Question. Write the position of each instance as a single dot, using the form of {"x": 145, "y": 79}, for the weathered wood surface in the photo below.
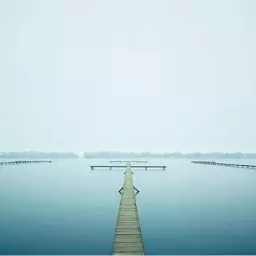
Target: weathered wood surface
{"x": 128, "y": 238}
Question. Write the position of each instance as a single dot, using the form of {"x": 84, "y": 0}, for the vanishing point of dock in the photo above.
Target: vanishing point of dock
{"x": 128, "y": 238}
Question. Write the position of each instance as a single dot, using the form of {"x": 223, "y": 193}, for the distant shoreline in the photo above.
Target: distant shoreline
{"x": 125, "y": 155}
{"x": 175, "y": 155}
{"x": 37, "y": 155}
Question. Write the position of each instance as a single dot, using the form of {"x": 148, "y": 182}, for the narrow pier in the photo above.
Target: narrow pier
{"x": 128, "y": 237}
{"x": 146, "y": 167}
{"x": 247, "y": 166}
{"x": 24, "y": 162}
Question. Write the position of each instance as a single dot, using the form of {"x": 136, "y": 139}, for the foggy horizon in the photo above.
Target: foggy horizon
{"x": 126, "y": 151}
{"x": 143, "y": 76}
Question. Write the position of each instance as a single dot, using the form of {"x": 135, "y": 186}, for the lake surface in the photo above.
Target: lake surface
{"x": 64, "y": 208}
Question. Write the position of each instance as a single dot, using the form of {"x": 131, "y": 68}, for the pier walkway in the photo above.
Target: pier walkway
{"x": 128, "y": 237}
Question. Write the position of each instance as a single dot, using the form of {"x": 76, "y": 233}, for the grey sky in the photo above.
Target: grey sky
{"x": 128, "y": 75}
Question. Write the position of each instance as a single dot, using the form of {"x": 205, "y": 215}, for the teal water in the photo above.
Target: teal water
{"x": 64, "y": 208}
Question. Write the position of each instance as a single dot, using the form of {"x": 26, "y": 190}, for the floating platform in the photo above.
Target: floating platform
{"x": 247, "y": 166}
{"x": 146, "y": 167}
{"x": 24, "y": 162}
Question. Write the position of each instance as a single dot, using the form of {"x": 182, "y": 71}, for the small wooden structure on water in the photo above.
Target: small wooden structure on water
{"x": 129, "y": 161}
{"x": 146, "y": 167}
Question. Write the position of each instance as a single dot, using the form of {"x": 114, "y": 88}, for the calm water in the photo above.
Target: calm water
{"x": 64, "y": 208}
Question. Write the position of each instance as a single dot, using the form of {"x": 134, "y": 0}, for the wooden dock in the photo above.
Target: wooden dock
{"x": 146, "y": 167}
{"x": 128, "y": 238}
{"x": 247, "y": 166}
{"x": 24, "y": 162}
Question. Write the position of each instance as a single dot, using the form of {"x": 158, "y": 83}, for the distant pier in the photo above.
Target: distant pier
{"x": 24, "y": 162}
{"x": 128, "y": 238}
{"x": 246, "y": 166}
{"x": 146, "y": 167}
{"x": 129, "y": 161}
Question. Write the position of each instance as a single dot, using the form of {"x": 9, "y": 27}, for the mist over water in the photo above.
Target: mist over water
{"x": 64, "y": 208}
{"x": 136, "y": 76}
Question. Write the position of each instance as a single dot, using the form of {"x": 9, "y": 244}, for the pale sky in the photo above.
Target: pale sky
{"x": 142, "y": 75}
